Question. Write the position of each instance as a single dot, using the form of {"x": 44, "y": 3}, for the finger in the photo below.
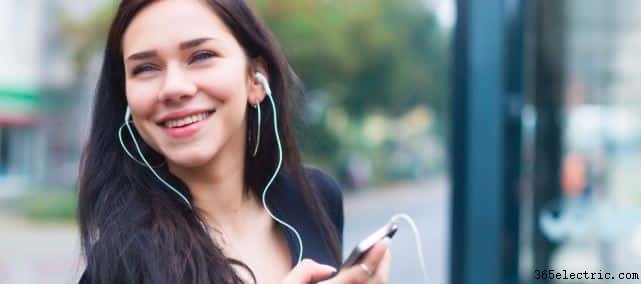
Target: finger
{"x": 375, "y": 255}
{"x": 382, "y": 273}
{"x": 351, "y": 275}
{"x": 308, "y": 271}
{"x": 356, "y": 274}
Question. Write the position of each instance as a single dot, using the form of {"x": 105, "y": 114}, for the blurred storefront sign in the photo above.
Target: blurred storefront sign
{"x": 18, "y": 108}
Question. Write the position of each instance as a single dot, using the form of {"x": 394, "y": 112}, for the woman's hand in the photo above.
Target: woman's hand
{"x": 308, "y": 271}
{"x": 374, "y": 269}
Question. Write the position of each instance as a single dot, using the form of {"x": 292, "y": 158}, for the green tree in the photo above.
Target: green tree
{"x": 367, "y": 57}
{"x": 86, "y": 37}
{"x": 370, "y": 55}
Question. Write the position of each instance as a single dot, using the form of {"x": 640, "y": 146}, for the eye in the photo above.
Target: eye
{"x": 142, "y": 69}
{"x": 200, "y": 56}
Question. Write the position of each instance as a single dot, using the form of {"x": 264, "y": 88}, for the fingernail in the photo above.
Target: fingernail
{"x": 386, "y": 240}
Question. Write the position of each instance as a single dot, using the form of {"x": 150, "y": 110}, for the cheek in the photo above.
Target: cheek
{"x": 141, "y": 98}
{"x": 225, "y": 82}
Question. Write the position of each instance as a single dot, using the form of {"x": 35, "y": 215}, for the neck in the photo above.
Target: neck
{"x": 218, "y": 188}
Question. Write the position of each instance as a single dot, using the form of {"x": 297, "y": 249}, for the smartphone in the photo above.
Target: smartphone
{"x": 388, "y": 230}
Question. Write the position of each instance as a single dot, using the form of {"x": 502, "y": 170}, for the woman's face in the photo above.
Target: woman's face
{"x": 188, "y": 83}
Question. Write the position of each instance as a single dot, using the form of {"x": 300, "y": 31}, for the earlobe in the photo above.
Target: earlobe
{"x": 259, "y": 83}
{"x": 260, "y": 89}
{"x": 256, "y": 95}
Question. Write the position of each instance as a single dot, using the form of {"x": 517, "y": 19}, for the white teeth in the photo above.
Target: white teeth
{"x": 186, "y": 120}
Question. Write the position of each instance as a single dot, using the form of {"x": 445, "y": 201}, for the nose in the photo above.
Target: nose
{"x": 176, "y": 87}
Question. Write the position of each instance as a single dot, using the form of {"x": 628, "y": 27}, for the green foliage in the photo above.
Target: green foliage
{"x": 86, "y": 36}
{"x": 364, "y": 58}
{"x": 371, "y": 55}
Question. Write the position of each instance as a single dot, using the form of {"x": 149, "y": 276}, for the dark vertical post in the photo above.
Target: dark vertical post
{"x": 548, "y": 85}
{"x": 486, "y": 105}
{"x": 484, "y": 184}
{"x": 458, "y": 149}
{"x": 514, "y": 99}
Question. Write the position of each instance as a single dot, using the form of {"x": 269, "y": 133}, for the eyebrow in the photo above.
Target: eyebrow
{"x": 182, "y": 46}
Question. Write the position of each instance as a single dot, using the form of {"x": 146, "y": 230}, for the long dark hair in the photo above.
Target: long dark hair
{"x": 133, "y": 230}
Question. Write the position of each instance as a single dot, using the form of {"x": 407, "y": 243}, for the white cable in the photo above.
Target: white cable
{"x": 122, "y": 143}
{"x": 280, "y": 161}
{"x": 127, "y": 114}
{"x": 417, "y": 237}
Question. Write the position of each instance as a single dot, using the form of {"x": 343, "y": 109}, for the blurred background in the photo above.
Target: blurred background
{"x": 508, "y": 129}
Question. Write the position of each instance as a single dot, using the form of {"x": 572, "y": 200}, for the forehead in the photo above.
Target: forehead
{"x": 166, "y": 23}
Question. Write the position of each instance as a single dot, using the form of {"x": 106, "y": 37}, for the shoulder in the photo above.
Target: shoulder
{"x": 325, "y": 191}
{"x": 326, "y": 186}
{"x": 330, "y": 195}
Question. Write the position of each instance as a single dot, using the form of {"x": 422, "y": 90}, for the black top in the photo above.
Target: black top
{"x": 287, "y": 204}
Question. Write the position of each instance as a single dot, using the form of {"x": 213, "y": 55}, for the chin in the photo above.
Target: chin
{"x": 189, "y": 159}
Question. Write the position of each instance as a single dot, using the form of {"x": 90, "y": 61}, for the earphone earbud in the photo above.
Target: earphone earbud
{"x": 263, "y": 80}
{"x": 127, "y": 114}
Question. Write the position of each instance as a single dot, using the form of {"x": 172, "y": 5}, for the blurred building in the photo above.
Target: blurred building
{"x": 22, "y": 145}
{"x": 40, "y": 94}
{"x": 602, "y": 125}
{"x": 602, "y": 44}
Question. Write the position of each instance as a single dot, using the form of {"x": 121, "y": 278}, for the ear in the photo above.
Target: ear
{"x": 256, "y": 90}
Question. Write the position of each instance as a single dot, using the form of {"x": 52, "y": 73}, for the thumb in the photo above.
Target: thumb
{"x": 308, "y": 271}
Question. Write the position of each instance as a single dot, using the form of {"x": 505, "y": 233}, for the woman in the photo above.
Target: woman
{"x": 177, "y": 192}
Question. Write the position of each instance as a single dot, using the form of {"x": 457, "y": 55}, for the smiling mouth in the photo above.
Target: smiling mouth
{"x": 186, "y": 121}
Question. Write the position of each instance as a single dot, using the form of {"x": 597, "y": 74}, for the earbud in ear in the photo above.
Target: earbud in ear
{"x": 263, "y": 80}
{"x": 127, "y": 114}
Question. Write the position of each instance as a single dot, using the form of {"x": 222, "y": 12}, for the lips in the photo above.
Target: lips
{"x": 184, "y": 124}
{"x": 191, "y": 119}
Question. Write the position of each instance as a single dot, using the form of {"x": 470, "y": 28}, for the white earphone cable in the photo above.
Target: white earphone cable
{"x": 268, "y": 91}
{"x": 417, "y": 238}
{"x": 127, "y": 114}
